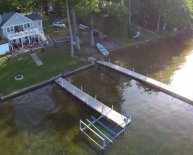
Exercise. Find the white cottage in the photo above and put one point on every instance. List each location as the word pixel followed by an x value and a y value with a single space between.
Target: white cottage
pixel 21 30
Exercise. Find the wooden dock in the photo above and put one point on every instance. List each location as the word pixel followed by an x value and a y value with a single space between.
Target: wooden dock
pixel 109 113
pixel 156 84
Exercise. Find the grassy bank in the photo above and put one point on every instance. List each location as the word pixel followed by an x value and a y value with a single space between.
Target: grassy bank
pixel 120 36
pixel 55 61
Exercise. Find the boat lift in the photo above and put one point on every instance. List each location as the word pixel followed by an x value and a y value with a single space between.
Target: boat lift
pixel 101 131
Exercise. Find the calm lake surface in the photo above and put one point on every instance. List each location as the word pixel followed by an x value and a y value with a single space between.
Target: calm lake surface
pixel 46 121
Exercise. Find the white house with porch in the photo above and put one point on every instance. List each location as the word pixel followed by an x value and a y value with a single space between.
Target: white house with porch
pixel 21 31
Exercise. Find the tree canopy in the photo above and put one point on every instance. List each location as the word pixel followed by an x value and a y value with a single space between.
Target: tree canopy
pixel 153 14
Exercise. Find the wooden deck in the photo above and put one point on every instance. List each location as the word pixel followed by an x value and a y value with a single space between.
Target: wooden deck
pixel 109 113
pixel 156 84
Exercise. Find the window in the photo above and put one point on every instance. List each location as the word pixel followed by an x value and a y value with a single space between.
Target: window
pixel 18 28
pixel 8 29
pixel 25 26
pixel 11 29
pixel 28 25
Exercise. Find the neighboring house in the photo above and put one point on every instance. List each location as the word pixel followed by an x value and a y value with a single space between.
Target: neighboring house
pixel 21 30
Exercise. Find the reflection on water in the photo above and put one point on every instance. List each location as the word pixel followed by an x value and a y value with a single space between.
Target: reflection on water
pixel 167 60
pixel 182 79
pixel 46 121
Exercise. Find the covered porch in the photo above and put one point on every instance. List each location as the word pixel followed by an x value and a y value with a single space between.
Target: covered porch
pixel 25 39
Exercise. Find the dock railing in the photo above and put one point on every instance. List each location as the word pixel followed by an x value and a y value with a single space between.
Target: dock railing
pixel 101 131
pixel 101 144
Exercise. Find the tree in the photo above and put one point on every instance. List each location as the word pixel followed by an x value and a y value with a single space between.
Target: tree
pixel 89 7
pixel 70 29
pixel 165 14
pixel 176 13
pixel 129 11
pixel 15 5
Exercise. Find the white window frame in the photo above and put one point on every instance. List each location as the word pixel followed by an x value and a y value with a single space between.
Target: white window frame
pixel 12 29
pixel 8 29
pixel 28 26
pixel 25 26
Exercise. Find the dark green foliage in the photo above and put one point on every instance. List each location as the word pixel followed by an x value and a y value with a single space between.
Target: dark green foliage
pixel 153 14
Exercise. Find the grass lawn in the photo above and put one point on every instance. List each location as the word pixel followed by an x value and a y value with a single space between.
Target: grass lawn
pixel 55 61
pixel 121 37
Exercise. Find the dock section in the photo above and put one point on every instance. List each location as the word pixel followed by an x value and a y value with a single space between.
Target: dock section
pixel 156 84
pixel 101 108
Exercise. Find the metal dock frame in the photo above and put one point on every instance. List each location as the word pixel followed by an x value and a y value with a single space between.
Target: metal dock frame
pixel 84 126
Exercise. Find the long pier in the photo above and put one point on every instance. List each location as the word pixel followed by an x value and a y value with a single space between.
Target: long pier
pixel 156 84
pixel 104 110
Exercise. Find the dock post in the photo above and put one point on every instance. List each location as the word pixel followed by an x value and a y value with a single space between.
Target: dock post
pixel 112 107
pixel 95 97
pixel 160 74
pixel 102 151
pixel 81 88
pixel 87 104
pixel 147 74
pixel 133 70
pixel 80 131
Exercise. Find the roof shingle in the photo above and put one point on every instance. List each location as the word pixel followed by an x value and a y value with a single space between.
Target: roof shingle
pixel 5 17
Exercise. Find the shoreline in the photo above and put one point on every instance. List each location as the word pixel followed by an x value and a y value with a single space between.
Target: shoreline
pixel 147 40
pixel 133 44
pixel 41 84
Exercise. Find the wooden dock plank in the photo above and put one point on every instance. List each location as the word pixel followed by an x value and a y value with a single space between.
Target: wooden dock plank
pixel 156 84
pixel 111 114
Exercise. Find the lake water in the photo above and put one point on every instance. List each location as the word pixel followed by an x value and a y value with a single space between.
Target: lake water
pixel 46 121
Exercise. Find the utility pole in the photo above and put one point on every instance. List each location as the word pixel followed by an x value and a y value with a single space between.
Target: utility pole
pixel 70 29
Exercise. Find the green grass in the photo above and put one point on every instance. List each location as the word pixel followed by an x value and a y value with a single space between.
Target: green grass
pixel 121 36
pixel 55 61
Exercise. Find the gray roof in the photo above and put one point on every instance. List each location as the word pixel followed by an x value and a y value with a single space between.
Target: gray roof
pixel 34 16
pixel 5 17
